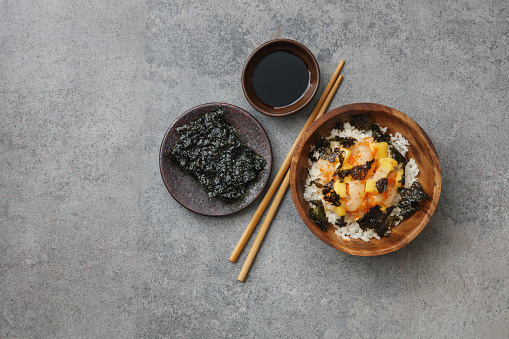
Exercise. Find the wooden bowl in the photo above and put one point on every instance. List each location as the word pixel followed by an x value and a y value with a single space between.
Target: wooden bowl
pixel 267 48
pixel 421 149
pixel 186 190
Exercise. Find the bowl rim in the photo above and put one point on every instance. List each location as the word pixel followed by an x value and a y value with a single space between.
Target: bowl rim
pixel 373 107
pixel 265 49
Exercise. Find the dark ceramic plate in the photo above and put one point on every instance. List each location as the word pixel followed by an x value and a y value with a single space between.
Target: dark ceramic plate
pixel 188 191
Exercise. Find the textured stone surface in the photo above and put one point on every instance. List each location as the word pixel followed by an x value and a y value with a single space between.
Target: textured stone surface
pixel 93 245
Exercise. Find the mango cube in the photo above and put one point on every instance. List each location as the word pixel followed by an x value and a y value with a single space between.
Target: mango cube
pixel 347 153
pixel 371 186
pixel 387 163
pixel 340 188
pixel 379 149
pixel 340 210
pixel 346 166
pixel 399 176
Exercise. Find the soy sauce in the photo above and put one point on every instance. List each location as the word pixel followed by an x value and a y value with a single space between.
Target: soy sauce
pixel 280 79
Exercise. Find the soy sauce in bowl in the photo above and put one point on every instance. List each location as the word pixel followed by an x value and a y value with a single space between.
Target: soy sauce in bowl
pixel 280 79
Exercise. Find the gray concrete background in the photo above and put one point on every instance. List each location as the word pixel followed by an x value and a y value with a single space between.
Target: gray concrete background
pixel 92 245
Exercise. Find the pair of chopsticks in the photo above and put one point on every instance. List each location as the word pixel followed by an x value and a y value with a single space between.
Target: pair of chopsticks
pixel 317 112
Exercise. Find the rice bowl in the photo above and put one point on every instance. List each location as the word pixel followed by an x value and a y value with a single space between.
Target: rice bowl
pixel 420 148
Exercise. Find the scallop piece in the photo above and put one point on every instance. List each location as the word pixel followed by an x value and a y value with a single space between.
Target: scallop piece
pixel 355 195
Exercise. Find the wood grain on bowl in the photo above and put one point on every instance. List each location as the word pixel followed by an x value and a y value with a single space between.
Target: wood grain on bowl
pixel 421 149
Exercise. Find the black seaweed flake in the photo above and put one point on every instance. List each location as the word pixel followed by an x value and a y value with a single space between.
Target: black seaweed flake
pixel 344 141
pixel 360 121
pixel 333 198
pixel 397 155
pixel 329 186
pixel 317 183
pixel 358 172
pixel 210 151
pixel 376 220
pixel 378 135
pixel 381 185
pixel 334 155
pixel 391 220
pixel 340 222
pixel 371 218
pixel 410 198
pixel 339 125
pixel 329 194
pixel 322 146
pixel 317 214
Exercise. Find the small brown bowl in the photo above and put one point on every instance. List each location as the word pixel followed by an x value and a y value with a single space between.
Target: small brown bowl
pixel 294 48
pixel 421 149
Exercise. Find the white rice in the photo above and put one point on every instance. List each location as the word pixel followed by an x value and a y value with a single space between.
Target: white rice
pixel 352 229
pixel 411 172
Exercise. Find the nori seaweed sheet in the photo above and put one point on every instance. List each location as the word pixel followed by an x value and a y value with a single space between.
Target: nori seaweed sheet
pixel 340 222
pixel 209 150
pixel 333 198
pixel 376 220
pixel 410 198
pixel 317 214
pixel 381 185
pixel 357 172
pixel 322 146
pixel 330 195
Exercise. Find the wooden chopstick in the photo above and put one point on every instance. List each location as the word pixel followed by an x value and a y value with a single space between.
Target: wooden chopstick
pixel 279 196
pixel 284 167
